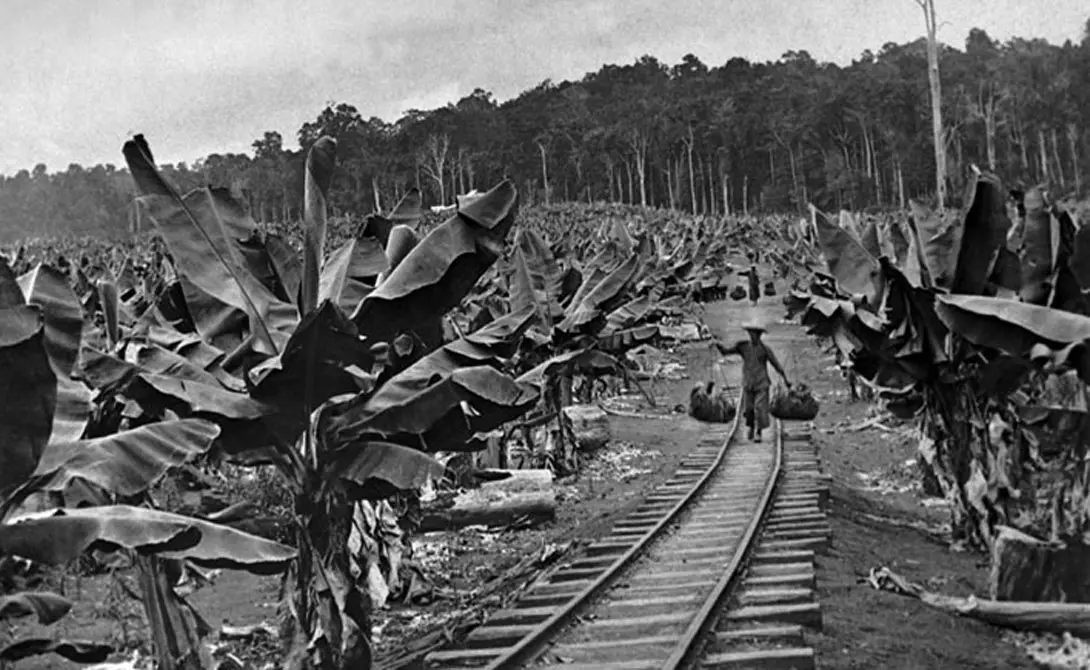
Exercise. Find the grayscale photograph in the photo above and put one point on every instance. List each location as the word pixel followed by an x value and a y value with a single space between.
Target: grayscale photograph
pixel 573 335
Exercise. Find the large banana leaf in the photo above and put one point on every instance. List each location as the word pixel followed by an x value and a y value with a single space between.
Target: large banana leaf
pixel 546 276
pixel 125 463
pixel 438 387
pixel 203 249
pixel 401 241
pixel 318 175
pixel 1011 326
pixel 855 270
pixel 156 392
pixel 62 314
pixel 11 295
pixel 403 468
pixel 940 242
pixel 351 272
pixel 288 267
pixel 218 323
pixel 608 291
pixel 63 536
pixel 414 400
pixel 49 289
pixel 28 392
pixel 438 273
pixel 580 361
pixel 984 233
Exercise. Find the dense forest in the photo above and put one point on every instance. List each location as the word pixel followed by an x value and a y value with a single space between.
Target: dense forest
pixel 740 137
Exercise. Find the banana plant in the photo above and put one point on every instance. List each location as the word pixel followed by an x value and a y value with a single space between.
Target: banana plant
pixel 345 385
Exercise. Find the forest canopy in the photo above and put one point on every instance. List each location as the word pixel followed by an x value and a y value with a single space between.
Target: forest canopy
pixel 742 136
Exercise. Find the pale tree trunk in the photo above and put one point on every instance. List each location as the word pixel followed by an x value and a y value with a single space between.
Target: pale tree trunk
pixel 690 140
pixel 1073 147
pixel 703 201
pixel 900 183
pixel 725 183
pixel 609 178
pixel 928 7
pixel 988 109
pixel 1059 169
pixel 631 184
pixel 877 175
pixel 794 174
pixel 1042 151
pixel 638 142
pixel 544 169
pixel 745 195
pixel 1018 133
pixel 670 183
pixel 374 190
pixel 710 182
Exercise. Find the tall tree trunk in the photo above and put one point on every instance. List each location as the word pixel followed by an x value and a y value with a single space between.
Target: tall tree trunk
pixel 710 184
pixel 544 169
pixel 1019 133
pixel 989 131
pixel 928 7
pixel 1042 151
pixel 900 182
pixel 1073 147
pixel 609 178
pixel 641 168
pixel 1058 167
pixel 631 183
pixel 725 185
pixel 794 176
pixel 745 195
pixel 670 183
pixel 690 141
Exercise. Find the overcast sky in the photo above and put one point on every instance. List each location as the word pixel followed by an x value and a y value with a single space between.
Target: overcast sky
pixel 205 76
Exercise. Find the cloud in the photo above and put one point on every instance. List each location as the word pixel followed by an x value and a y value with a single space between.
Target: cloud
pixel 192 74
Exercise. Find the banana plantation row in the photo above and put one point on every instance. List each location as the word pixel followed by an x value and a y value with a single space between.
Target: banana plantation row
pixel 976 322
pixel 350 365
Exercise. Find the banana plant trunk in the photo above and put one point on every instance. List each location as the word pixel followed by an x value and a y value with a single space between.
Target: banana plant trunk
pixel 331 614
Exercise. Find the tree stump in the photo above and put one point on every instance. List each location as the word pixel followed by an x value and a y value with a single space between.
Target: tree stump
pixel 1025 568
pixel 590 425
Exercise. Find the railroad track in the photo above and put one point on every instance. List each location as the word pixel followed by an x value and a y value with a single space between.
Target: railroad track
pixel 715 569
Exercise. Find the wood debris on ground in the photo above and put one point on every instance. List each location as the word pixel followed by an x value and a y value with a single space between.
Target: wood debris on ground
pixel 622 462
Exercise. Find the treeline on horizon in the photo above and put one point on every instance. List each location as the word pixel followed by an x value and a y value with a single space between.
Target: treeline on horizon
pixel 742 137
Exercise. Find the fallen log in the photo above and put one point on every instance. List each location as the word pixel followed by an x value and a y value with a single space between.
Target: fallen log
pixel 1028 569
pixel 491 506
pixel 1057 618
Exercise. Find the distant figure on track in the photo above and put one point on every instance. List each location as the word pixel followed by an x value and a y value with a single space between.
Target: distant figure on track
pixel 754 281
pixel 756 357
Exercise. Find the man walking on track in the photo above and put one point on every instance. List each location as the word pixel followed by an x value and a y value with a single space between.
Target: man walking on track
pixel 756 357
